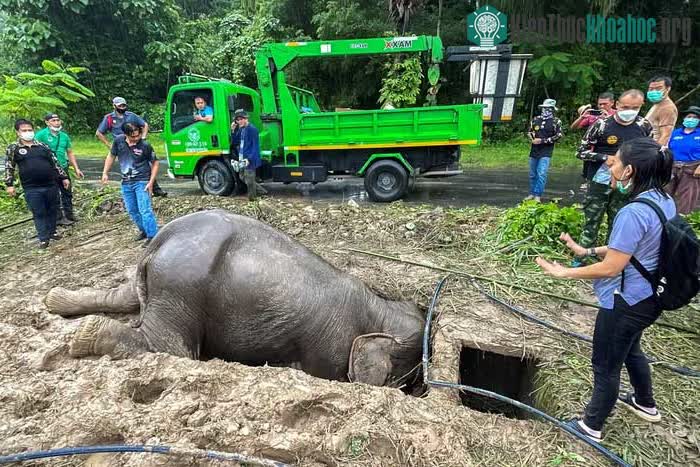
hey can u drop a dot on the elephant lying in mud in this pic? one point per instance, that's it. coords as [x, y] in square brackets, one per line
[217, 285]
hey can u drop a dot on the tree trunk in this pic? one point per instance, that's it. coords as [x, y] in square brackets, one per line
[439, 17]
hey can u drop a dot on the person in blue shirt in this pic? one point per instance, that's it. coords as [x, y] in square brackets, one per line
[641, 168]
[113, 122]
[203, 112]
[685, 146]
[248, 152]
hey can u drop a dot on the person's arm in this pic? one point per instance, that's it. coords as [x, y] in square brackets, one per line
[612, 265]
[154, 171]
[74, 162]
[589, 140]
[100, 133]
[581, 121]
[664, 135]
[10, 170]
[207, 118]
[557, 133]
[144, 134]
[109, 160]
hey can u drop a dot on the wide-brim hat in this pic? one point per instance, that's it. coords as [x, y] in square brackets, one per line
[693, 109]
[549, 103]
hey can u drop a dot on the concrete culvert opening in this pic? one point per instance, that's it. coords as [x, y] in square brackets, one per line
[509, 376]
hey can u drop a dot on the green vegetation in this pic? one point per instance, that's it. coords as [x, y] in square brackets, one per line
[90, 147]
[136, 48]
[515, 154]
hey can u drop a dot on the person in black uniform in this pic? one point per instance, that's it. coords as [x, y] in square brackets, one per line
[545, 130]
[39, 172]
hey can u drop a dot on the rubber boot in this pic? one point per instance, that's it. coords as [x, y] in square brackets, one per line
[250, 182]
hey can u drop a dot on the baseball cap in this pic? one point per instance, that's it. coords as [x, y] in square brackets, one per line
[119, 101]
[240, 113]
[50, 116]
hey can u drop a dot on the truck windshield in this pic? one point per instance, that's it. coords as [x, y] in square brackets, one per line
[183, 108]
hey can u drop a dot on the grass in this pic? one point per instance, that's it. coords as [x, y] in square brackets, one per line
[515, 155]
[87, 146]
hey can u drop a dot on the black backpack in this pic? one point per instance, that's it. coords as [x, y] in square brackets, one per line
[676, 278]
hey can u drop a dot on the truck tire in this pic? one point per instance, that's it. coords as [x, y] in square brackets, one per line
[215, 178]
[386, 181]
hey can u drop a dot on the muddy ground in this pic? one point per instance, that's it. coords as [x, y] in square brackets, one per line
[48, 400]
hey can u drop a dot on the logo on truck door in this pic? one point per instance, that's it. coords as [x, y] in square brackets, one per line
[399, 43]
[194, 142]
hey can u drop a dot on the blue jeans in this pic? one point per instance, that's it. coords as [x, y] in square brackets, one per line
[43, 202]
[538, 174]
[137, 202]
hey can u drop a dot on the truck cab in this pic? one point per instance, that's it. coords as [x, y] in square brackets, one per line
[203, 149]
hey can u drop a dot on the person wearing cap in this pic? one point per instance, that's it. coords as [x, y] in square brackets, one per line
[545, 130]
[587, 116]
[602, 140]
[112, 123]
[39, 171]
[248, 152]
[685, 146]
[60, 143]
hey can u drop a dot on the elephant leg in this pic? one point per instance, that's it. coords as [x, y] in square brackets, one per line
[64, 302]
[172, 326]
[98, 335]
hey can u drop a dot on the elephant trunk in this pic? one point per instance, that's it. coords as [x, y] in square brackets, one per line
[64, 302]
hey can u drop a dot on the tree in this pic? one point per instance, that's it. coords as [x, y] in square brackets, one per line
[401, 11]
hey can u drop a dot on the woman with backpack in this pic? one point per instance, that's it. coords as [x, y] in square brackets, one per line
[628, 302]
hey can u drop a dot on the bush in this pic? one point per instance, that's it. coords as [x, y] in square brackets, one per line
[541, 221]
[154, 114]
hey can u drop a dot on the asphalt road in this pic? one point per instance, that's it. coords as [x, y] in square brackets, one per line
[476, 187]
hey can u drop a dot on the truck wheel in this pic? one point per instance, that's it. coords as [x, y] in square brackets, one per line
[385, 181]
[215, 178]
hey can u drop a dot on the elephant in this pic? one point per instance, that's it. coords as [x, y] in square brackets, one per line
[213, 284]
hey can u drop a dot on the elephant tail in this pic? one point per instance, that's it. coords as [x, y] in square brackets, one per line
[141, 279]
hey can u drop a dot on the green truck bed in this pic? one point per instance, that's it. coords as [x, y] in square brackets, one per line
[421, 126]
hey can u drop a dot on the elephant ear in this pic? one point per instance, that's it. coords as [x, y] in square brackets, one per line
[370, 359]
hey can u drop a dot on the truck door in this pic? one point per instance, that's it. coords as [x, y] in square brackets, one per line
[191, 139]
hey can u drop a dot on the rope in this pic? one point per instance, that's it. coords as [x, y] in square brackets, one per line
[151, 449]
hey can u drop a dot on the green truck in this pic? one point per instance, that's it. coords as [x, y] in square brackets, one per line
[301, 143]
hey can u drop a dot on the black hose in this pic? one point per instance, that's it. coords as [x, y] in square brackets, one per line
[482, 392]
[152, 449]
[681, 370]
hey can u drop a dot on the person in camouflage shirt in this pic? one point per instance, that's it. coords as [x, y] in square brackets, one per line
[599, 144]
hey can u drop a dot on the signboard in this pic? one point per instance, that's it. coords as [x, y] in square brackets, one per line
[487, 27]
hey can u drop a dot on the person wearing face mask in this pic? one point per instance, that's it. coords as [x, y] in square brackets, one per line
[685, 145]
[627, 301]
[545, 130]
[59, 142]
[663, 114]
[602, 140]
[113, 123]
[39, 172]
[139, 167]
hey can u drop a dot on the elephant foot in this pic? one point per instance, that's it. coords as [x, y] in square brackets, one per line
[98, 335]
[64, 302]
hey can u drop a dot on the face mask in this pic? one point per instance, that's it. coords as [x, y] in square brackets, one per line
[56, 129]
[655, 96]
[690, 122]
[627, 115]
[623, 186]
[27, 136]
[547, 112]
[121, 110]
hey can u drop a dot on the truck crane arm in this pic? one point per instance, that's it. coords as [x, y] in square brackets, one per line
[272, 59]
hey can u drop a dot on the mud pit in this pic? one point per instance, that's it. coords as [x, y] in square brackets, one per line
[48, 400]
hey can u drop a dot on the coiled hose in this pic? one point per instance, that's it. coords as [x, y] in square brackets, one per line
[151, 449]
[482, 392]
[681, 370]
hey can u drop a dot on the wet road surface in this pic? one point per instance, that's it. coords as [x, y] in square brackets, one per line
[476, 187]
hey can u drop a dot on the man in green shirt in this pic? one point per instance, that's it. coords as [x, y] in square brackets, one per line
[59, 142]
